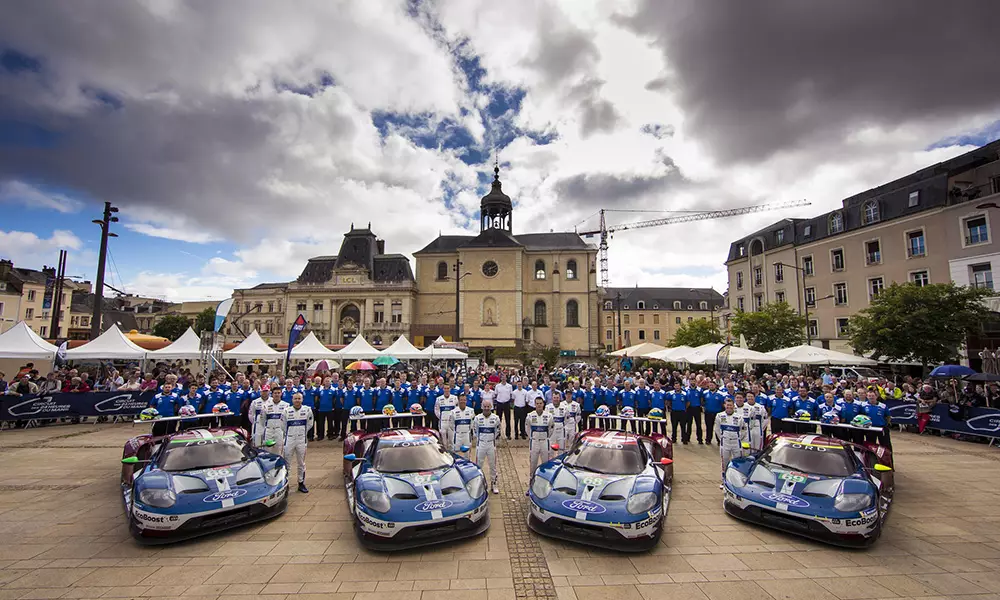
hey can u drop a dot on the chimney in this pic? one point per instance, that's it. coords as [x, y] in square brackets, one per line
[380, 244]
[50, 272]
[6, 267]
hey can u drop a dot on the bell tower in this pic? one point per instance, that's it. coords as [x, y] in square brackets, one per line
[495, 208]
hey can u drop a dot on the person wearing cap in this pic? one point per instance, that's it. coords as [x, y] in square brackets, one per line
[485, 433]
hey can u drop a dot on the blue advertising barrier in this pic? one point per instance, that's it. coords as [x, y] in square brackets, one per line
[983, 422]
[59, 405]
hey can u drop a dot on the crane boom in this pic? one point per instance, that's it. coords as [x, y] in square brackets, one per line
[604, 231]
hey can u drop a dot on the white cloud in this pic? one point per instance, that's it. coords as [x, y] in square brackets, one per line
[30, 196]
[193, 236]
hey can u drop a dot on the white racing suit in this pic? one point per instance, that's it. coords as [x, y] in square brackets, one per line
[539, 428]
[446, 424]
[486, 430]
[256, 407]
[271, 423]
[757, 425]
[572, 421]
[560, 423]
[297, 423]
[461, 422]
[730, 433]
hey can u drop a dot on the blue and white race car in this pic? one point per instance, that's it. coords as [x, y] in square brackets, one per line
[818, 487]
[612, 489]
[405, 490]
[197, 482]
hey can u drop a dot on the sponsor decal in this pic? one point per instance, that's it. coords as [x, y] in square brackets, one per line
[44, 404]
[592, 481]
[122, 403]
[584, 506]
[646, 523]
[432, 505]
[225, 495]
[835, 521]
[370, 521]
[215, 473]
[862, 522]
[423, 479]
[785, 499]
[903, 411]
[174, 518]
[793, 477]
[985, 423]
[144, 516]
[610, 445]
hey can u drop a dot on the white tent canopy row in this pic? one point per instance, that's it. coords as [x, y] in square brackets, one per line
[642, 350]
[675, 354]
[708, 354]
[436, 352]
[186, 347]
[312, 348]
[110, 345]
[402, 349]
[814, 355]
[252, 347]
[21, 342]
[358, 349]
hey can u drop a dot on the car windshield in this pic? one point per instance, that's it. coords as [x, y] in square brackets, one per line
[865, 372]
[607, 457]
[415, 456]
[815, 459]
[190, 454]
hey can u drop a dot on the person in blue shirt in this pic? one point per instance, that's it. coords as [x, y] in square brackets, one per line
[642, 405]
[434, 391]
[713, 402]
[693, 413]
[383, 397]
[289, 390]
[850, 407]
[234, 400]
[626, 397]
[166, 403]
[879, 415]
[782, 407]
[658, 399]
[399, 402]
[678, 410]
[326, 399]
[587, 398]
[829, 406]
[475, 396]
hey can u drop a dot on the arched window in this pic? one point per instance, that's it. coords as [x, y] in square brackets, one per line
[704, 305]
[572, 314]
[640, 305]
[571, 269]
[836, 222]
[539, 269]
[871, 212]
[607, 305]
[442, 270]
[677, 305]
[540, 314]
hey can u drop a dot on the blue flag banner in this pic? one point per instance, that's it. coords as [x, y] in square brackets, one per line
[980, 421]
[221, 312]
[293, 335]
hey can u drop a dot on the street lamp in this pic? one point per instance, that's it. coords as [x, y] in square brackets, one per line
[458, 279]
[105, 223]
[805, 301]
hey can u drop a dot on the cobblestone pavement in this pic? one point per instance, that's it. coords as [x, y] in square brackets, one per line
[64, 537]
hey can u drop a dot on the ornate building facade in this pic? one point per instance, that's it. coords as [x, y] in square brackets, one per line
[497, 290]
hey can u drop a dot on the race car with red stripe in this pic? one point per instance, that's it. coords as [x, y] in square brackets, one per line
[814, 486]
[197, 482]
[405, 490]
[611, 489]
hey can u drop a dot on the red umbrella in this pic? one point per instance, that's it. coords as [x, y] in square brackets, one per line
[361, 365]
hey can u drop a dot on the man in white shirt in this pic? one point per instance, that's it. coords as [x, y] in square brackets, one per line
[504, 393]
[520, 397]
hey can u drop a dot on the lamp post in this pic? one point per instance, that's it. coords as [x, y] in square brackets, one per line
[105, 223]
[805, 301]
[458, 280]
[618, 307]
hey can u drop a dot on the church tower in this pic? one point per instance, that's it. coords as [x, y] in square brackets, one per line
[496, 208]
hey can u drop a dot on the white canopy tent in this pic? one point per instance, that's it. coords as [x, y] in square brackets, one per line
[675, 354]
[707, 354]
[110, 345]
[403, 350]
[434, 353]
[311, 348]
[639, 350]
[21, 342]
[358, 349]
[814, 355]
[252, 347]
[186, 347]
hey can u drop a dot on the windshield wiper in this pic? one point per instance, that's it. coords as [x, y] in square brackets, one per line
[592, 470]
[780, 465]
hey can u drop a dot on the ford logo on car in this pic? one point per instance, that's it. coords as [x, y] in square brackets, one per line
[432, 505]
[785, 499]
[226, 495]
[584, 506]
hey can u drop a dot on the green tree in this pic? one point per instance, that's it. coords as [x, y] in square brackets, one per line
[697, 333]
[205, 321]
[923, 324]
[171, 327]
[549, 355]
[772, 327]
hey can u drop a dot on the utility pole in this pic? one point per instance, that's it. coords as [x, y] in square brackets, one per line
[618, 305]
[57, 289]
[459, 275]
[105, 223]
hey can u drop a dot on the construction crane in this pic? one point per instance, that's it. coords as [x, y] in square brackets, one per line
[605, 231]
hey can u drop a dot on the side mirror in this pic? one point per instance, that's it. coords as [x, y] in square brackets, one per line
[463, 448]
[269, 443]
[882, 468]
[555, 446]
[666, 461]
[131, 460]
[745, 445]
[351, 457]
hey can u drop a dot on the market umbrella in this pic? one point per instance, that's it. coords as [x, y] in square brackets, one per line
[361, 365]
[385, 361]
[324, 365]
[952, 371]
[401, 366]
[983, 377]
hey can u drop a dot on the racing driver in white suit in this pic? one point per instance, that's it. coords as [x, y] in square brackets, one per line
[732, 435]
[298, 420]
[256, 408]
[539, 426]
[270, 421]
[461, 419]
[560, 417]
[443, 407]
[485, 430]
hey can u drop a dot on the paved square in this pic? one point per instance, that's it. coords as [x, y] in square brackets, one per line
[65, 537]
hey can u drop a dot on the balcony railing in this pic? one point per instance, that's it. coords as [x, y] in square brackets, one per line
[977, 238]
[873, 258]
[387, 326]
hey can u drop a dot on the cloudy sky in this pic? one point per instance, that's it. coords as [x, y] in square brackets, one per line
[241, 138]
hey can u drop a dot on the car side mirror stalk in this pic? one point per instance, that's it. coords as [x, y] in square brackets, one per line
[269, 443]
[133, 460]
[666, 461]
[882, 468]
[353, 457]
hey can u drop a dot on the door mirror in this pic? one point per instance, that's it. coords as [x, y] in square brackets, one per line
[131, 460]
[555, 446]
[269, 443]
[666, 461]
[351, 457]
[882, 468]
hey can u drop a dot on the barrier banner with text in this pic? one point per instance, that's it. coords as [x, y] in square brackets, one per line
[58, 405]
[984, 422]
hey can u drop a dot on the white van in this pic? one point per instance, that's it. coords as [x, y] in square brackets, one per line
[851, 372]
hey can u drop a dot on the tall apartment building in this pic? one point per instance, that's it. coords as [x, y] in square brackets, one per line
[27, 295]
[633, 315]
[926, 227]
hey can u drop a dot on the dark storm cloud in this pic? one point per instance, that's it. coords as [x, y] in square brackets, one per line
[755, 78]
[588, 190]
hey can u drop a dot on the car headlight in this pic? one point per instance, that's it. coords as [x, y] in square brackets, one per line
[852, 502]
[475, 486]
[375, 500]
[159, 498]
[541, 487]
[276, 476]
[735, 478]
[641, 502]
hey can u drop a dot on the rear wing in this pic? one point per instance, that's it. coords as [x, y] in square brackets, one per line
[189, 418]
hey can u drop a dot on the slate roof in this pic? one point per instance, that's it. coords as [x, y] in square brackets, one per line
[662, 298]
[530, 241]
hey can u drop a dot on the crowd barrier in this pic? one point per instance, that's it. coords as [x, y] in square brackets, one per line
[60, 405]
[984, 422]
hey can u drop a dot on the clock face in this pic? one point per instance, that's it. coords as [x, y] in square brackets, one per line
[490, 268]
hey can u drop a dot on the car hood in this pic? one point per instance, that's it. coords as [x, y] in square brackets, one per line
[207, 489]
[803, 493]
[600, 497]
[425, 495]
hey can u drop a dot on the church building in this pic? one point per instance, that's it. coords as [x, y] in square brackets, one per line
[497, 289]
